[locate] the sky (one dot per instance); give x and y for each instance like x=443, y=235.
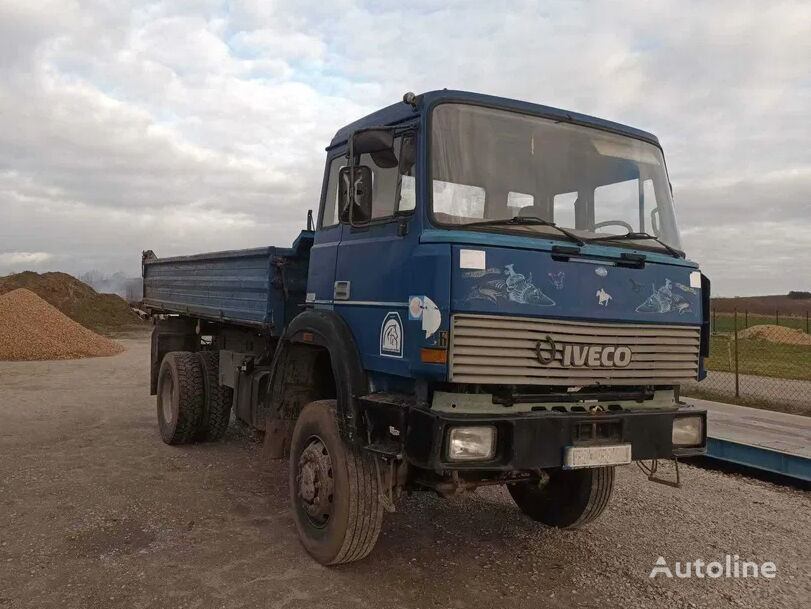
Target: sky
x=185, y=126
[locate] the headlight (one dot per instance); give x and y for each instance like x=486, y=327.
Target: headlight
x=472, y=443
x=688, y=431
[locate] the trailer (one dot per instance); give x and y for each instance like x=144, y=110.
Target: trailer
x=493, y=293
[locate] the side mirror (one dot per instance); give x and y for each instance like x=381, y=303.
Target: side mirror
x=355, y=200
x=376, y=139
x=377, y=142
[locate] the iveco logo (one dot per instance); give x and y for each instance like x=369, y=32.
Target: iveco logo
x=572, y=354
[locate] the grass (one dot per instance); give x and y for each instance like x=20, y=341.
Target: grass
x=760, y=357
x=725, y=322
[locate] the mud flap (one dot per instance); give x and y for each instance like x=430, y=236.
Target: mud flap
x=278, y=434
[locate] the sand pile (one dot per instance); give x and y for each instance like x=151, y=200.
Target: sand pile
x=32, y=329
x=777, y=334
x=100, y=312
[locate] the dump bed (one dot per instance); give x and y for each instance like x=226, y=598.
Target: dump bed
x=262, y=287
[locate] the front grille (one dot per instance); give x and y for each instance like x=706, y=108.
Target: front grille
x=505, y=350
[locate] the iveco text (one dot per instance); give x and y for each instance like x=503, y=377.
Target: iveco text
x=609, y=356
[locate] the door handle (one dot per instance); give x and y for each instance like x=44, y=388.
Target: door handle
x=340, y=290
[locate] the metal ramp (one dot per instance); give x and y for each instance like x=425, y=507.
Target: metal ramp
x=771, y=441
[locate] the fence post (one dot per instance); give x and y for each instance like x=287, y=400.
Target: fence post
x=737, y=382
x=714, y=321
x=806, y=323
x=746, y=318
x=777, y=317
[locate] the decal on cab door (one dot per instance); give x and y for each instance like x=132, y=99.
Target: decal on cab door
x=391, y=335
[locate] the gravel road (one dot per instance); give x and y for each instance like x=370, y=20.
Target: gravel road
x=96, y=512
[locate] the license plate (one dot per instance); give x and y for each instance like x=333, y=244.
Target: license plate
x=575, y=457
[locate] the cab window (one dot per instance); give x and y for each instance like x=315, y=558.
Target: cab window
x=330, y=214
x=393, y=179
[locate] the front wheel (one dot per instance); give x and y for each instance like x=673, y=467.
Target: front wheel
x=569, y=499
x=334, y=489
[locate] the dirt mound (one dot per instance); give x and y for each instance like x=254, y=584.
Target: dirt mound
x=32, y=329
x=777, y=334
x=99, y=312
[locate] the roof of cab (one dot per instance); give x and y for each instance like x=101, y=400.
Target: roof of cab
x=402, y=112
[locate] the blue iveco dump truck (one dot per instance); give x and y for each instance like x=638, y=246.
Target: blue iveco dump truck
x=493, y=293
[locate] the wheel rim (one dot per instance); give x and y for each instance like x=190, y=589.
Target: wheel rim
x=315, y=482
x=167, y=389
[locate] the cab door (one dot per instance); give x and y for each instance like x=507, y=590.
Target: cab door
x=374, y=269
x=324, y=253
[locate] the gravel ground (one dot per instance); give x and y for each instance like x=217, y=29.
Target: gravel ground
x=96, y=512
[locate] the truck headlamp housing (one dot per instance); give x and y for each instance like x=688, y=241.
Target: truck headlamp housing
x=688, y=430
x=472, y=443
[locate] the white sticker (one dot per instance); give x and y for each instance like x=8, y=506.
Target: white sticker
x=472, y=259
x=695, y=279
x=310, y=297
x=431, y=317
x=391, y=335
x=603, y=297
x=422, y=307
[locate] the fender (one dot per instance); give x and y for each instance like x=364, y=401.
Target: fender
x=326, y=329
x=706, y=313
x=172, y=334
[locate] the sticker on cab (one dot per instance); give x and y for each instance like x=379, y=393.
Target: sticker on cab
x=425, y=309
x=391, y=335
x=472, y=259
x=415, y=307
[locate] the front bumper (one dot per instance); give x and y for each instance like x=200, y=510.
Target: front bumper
x=537, y=440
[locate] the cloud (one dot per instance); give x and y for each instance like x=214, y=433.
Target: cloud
x=17, y=261
x=184, y=126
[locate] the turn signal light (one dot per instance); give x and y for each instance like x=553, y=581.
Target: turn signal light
x=434, y=356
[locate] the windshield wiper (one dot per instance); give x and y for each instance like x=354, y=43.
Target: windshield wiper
x=526, y=221
x=632, y=235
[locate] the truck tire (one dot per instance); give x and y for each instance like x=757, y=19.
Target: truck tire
x=180, y=397
x=217, y=399
x=333, y=489
x=570, y=499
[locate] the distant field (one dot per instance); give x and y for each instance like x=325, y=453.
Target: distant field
x=725, y=322
x=760, y=357
x=764, y=305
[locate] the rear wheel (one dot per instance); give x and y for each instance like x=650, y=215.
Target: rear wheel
x=217, y=401
x=569, y=499
x=333, y=489
x=180, y=397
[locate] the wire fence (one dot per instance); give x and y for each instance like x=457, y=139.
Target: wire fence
x=758, y=360
x=724, y=322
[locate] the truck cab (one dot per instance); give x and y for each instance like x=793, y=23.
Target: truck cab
x=496, y=293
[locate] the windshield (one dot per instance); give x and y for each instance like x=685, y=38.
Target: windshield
x=490, y=164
